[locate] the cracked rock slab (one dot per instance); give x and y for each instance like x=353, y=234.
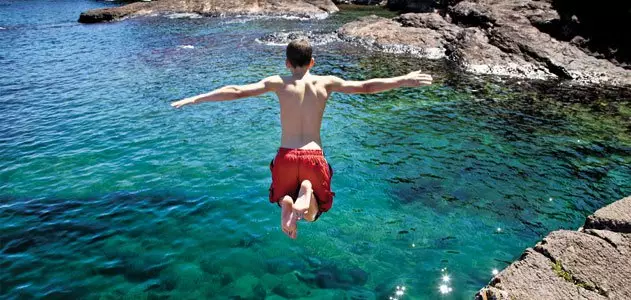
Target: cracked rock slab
x=532, y=277
x=592, y=260
x=615, y=217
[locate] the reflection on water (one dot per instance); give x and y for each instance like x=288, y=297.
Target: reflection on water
x=106, y=192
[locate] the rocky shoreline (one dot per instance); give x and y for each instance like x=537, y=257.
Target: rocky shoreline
x=496, y=37
x=514, y=38
x=299, y=8
x=591, y=263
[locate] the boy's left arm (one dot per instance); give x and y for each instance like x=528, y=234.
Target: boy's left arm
x=233, y=92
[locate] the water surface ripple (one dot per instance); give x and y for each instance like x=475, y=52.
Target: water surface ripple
x=107, y=193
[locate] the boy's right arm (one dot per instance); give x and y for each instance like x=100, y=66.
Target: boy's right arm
x=377, y=85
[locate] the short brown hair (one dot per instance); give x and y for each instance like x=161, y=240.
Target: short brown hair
x=299, y=53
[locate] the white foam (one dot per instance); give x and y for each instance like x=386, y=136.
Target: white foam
x=247, y=18
x=2, y=28
x=270, y=43
x=186, y=47
x=183, y=16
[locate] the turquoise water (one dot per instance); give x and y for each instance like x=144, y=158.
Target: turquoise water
x=108, y=193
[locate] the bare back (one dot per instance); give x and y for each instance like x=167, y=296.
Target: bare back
x=302, y=103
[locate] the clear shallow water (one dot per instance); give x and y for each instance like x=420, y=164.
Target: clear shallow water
x=107, y=192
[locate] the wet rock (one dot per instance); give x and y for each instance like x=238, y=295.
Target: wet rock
x=307, y=8
x=615, y=217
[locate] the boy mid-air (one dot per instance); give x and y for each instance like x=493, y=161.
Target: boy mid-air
x=301, y=177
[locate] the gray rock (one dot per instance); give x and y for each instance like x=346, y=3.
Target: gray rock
x=592, y=261
x=391, y=36
x=472, y=50
x=615, y=217
x=306, y=8
x=532, y=277
x=586, y=264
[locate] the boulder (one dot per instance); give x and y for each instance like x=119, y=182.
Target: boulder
x=392, y=36
x=303, y=8
x=615, y=217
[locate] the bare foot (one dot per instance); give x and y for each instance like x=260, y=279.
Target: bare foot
x=288, y=218
x=304, y=199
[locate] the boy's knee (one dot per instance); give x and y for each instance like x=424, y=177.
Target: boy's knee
x=306, y=184
x=287, y=199
x=311, y=216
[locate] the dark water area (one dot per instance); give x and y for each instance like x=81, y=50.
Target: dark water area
x=108, y=193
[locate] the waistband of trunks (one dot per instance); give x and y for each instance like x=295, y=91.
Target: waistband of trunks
x=300, y=152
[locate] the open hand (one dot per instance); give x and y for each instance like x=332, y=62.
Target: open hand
x=416, y=78
x=178, y=104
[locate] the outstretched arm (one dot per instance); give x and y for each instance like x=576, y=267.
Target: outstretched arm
x=233, y=92
x=377, y=85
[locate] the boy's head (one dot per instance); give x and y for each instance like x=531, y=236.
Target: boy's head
x=299, y=54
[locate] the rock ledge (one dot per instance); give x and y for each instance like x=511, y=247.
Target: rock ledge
x=592, y=263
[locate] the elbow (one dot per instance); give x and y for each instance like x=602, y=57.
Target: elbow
x=234, y=92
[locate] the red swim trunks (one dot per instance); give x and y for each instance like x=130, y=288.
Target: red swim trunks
x=291, y=166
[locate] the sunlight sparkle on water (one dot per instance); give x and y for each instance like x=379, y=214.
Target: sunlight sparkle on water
x=398, y=293
x=444, y=289
x=446, y=278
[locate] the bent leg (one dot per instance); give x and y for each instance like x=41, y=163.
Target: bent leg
x=306, y=205
x=288, y=217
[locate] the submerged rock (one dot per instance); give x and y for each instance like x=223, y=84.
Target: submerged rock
x=302, y=8
x=246, y=287
x=333, y=277
x=500, y=37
